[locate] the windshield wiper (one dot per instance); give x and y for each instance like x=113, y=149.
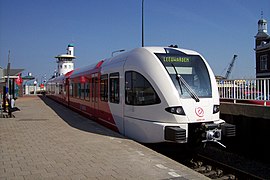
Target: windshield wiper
x=190, y=91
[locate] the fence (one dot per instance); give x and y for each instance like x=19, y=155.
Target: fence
x=249, y=90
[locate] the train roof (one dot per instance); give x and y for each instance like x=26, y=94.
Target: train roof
x=80, y=71
x=91, y=68
x=164, y=50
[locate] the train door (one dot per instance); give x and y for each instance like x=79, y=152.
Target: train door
x=140, y=102
x=116, y=89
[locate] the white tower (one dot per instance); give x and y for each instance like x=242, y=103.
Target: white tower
x=65, y=61
x=70, y=49
x=262, y=25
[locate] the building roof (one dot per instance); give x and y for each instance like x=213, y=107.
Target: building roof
x=262, y=35
x=28, y=77
x=13, y=72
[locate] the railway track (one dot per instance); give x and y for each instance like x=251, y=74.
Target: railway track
x=217, y=170
x=213, y=164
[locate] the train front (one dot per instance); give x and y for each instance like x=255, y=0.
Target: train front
x=189, y=97
x=199, y=99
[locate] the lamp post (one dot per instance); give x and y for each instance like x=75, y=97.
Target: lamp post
x=142, y=24
x=8, y=71
x=121, y=50
x=35, y=87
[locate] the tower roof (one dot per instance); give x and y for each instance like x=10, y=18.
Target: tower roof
x=65, y=56
x=261, y=21
x=71, y=45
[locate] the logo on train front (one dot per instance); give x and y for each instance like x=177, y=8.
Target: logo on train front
x=199, y=111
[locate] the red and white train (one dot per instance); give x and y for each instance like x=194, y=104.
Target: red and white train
x=149, y=94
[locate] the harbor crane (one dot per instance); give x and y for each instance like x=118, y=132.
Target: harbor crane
x=229, y=70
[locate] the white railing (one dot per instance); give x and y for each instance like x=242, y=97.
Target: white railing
x=249, y=90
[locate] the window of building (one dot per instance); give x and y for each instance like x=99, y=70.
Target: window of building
x=114, y=88
x=138, y=91
x=263, y=62
x=104, y=87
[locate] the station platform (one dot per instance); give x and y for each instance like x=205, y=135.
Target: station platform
x=46, y=140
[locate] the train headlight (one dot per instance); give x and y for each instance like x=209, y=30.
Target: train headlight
x=176, y=110
x=215, y=109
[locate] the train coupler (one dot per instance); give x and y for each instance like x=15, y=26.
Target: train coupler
x=212, y=133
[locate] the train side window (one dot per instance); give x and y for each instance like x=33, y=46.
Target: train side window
x=53, y=88
x=75, y=90
x=114, y=88
x=104, y=87
x=79, y=90
x=96, y=89
x=57, y=88
x=87, y=91
x=93, y=89
x=71, y=89
x=60, y=89
x=138, y=90
x=82, y=90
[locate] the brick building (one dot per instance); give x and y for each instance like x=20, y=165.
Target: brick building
x=262, y=49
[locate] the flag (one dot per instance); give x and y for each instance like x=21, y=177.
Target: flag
x=19, y=80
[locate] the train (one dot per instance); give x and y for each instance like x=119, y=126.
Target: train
x=148, y=94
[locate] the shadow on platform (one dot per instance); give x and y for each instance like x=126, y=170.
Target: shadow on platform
x=78, y=121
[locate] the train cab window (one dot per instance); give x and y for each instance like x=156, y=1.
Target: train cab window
x=139, y=91
x=104, y=87
x=114, y=88
x=192, y=69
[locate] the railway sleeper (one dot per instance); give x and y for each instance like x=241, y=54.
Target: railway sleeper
x=201, y=169
x=196, y=164
x=227, y=177
x=211, y=174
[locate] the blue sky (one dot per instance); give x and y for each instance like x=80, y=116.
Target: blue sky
x=35, y=31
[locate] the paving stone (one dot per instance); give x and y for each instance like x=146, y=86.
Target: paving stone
x=45, y=140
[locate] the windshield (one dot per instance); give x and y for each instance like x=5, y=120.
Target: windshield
x=192, y=69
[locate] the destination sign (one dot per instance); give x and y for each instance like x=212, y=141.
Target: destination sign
x=175, y=59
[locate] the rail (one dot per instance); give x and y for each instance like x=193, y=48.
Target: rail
x=252, y=91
